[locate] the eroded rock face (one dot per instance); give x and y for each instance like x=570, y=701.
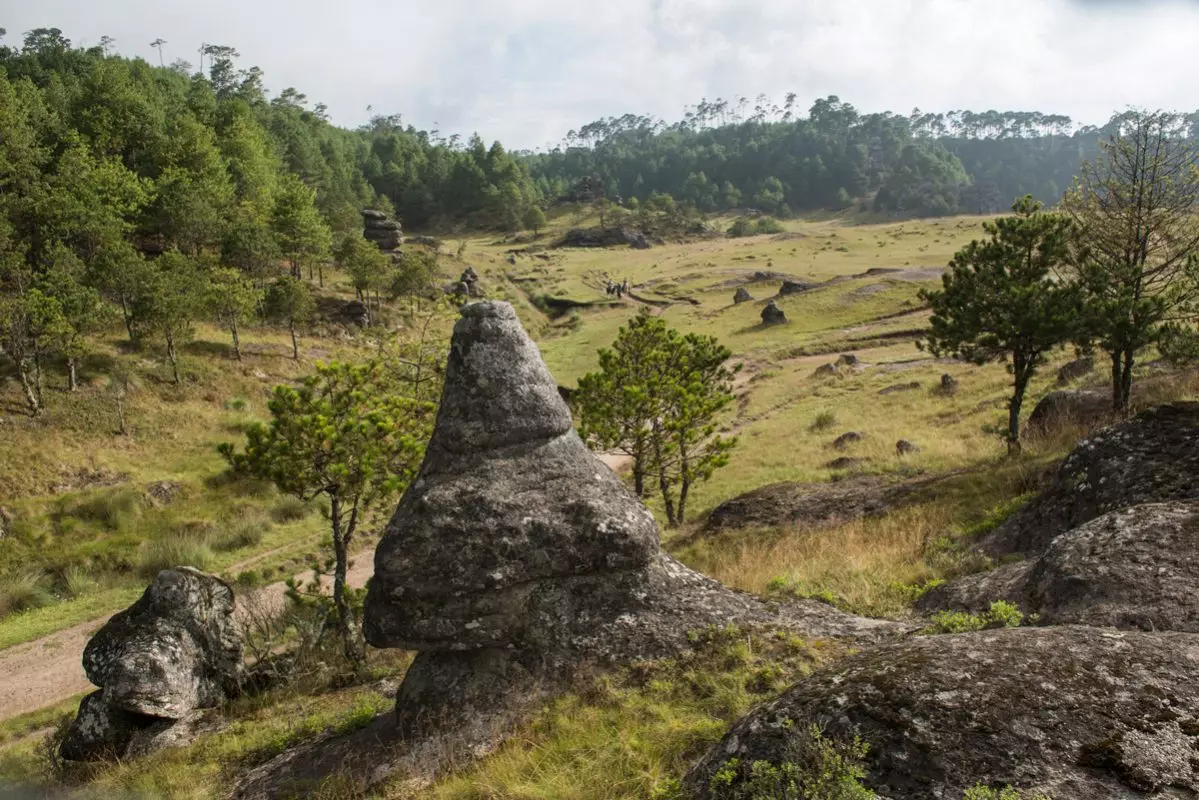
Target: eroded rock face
x=1068, y=711
x=1135, y=568
x=1153, y=457
x=176, y=650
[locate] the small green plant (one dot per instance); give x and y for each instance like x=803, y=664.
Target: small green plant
x=817, y=768
x=1001, y=614
x=236, y=404
x=982, y=792
x=823, y=421
x=78, y=581
x=241, y=534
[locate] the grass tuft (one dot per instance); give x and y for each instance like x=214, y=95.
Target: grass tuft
x=173, y=551
x=24, y=591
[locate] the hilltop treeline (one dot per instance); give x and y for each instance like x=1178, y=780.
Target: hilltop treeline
x=723, y=155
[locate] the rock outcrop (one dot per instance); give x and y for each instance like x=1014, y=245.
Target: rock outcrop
x=1153, y=457
x=1134, y=568
x=742, y=295
x=1079, y=407
x=612, y=236
x=381, y=229
x=795, y=287
x=1071, y=712
x=773, y=315
x=846, y=439
x=811, y=504
x=176, y=650
x=1073, y=370
x=517, y=557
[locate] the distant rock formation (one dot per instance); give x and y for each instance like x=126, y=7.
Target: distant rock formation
x=795, y=287
x=1069, y=712
x=773, y=315
x=381, y=229
x=516, y=557
x=611, y=236
x=742, y=295
x=1079, y=407
x=175, y=651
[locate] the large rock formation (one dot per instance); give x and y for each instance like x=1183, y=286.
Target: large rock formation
x=772, y=314
x=381, y=229
x=517, y=557
x=1132, y=568
x=1080, y=407
x=1071, y=712
x=176, y=650
x=1151, y=458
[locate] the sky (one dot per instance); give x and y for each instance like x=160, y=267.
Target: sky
x=527, y=71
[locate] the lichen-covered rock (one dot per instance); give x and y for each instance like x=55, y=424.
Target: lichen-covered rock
x=810, y=505
x=1071, y=712
x=516, y=556
x=1133, y=568
x=1153, y=457
x=176, y=650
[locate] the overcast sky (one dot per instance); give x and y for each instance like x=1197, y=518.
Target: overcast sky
x=527, y=71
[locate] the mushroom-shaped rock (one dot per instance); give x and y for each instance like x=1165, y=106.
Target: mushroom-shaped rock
x=176, y=650
x=1063, y=711
x=773, y=315
x=742, y=295
x=516, y=555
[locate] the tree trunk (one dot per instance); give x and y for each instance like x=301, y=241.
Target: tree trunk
x=345, y=614
x=35, y=406
x=684, y=488
x=127, y=316
x=72, y=382
x=638, y=476
x=664, y=486
x=1013, y=410
x=1126, y=382
x=310, y=276
x=236, y=341
x=295, y=345
x=320, y=271
x=1117, y=382
x=173, y=357
x=122, y=429
x=37, y=377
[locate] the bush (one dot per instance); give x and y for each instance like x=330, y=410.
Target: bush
x=78, y=581
x=173, y=551
x=1001, y=614
x=236, y=404
x=745, y=226
x=289, y=509
x=823, y=421
x=243, y=533
x=115, y=510
x=24, y=591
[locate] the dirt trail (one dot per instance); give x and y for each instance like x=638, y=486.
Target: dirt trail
x=48, y=670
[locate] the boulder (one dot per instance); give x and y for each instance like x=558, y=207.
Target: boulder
x=1133, y=568
x=948, y=386
x=826, y=371
x=176, y=650
x=1064, y=407
x=355, y=312
x=1072, y=371
x=385, y=232
x=848, y=360
x=903, y=448
x=809, y=505
x=516, y=557
x=612, y=236
x=742, y=295
x=845, y=462
x=1153, y=457
x=1071, y=712
x=795, y=287
x=772, y=314
x=846, y=439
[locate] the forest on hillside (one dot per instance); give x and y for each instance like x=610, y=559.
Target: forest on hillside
x=724, y=155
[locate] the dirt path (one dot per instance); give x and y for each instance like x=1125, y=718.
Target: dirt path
x=49, y=670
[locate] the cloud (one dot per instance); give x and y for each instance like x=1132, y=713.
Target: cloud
x=526, y=71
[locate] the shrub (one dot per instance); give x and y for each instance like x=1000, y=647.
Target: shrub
x=78, y=581
x=289, y=509
x=24, y=591
x=243, y=533
x=1001, y=614
x=173, y=551
x=236, y=404
x=745, y=226
x=115, y=510
x=823, y=421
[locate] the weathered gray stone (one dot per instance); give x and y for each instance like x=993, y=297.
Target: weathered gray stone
x=772, y=314
x=1072, y=712
x=846, y=439
x=1073, y=370
x=176, y=650
x=795, y=287
x=742, y=295
x=848, y=360
x=1078, y=407
x=1135, y=568
x=1153, y=457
